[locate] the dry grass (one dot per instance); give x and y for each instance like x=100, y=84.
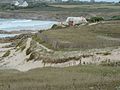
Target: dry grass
x=82, y=37
x=6, y=54
x=61, y=12
x=93, y=6
x=72, y=78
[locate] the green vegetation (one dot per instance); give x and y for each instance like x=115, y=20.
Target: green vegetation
x=60, y=60
x=115, y=18
x=21, y=44
x=6, y=54
x=6, y=7
x=34, y=5
x=88, y=8
x=72, y=78
x=110, y=29
x=58, y=27
x=109, y=63
x=28, y=51
x=61, y=11
x=103, y=77
x=104, y=53
x=40, y=40
x=23, y=47
x=32, y=56
x=82, y=37
x=95, y=19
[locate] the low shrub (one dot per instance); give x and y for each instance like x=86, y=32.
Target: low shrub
x=61, y=60
x=7, y=6
x=113, y=64
x=32, y=5
x=34, y=56
x=28, y=51
x=103, y=53
x=95, y=19
x=55, y=26
x=115, y=17
x=22, y=48
x=6, y=54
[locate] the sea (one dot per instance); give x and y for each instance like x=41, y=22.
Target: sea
x=23, y=24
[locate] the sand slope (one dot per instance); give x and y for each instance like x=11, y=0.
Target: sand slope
x=18, y=59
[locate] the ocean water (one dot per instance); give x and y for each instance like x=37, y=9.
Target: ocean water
x=7, y=35
x=23, y=24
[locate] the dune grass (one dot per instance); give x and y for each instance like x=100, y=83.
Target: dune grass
x=6, y=54
x=72, y=78
x=82, y=37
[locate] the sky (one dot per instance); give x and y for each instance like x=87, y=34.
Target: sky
x=101, y=0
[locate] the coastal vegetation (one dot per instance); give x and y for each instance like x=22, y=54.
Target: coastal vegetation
x=86, y=77
x=6, y=54
x=60, y=12
x=115, y=17
x=63, y=44
x=81, y=37
x=95, y=19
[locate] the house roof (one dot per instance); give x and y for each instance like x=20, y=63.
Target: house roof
x=21, y=3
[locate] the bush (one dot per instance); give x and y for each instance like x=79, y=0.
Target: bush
x=6, y=54
x=7, y=7
x=32, y=5
x=115, y=17
x=104, y=53
x=33, y=56
x=28, y=51
x=55, y=26
x=13, y=7
x=22, y=48
x=112, y=64
x=95, y=19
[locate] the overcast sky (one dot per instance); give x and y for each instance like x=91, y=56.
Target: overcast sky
x=101, y=0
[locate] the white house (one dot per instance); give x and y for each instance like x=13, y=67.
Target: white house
x=75, y=20
x=21, y=3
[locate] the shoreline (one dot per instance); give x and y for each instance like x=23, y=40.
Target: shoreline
x=25, y=24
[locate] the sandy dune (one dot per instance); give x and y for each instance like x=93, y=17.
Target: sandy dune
x=18, y=59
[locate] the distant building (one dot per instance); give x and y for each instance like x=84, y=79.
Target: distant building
x=72, y=21
x=21, y=3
